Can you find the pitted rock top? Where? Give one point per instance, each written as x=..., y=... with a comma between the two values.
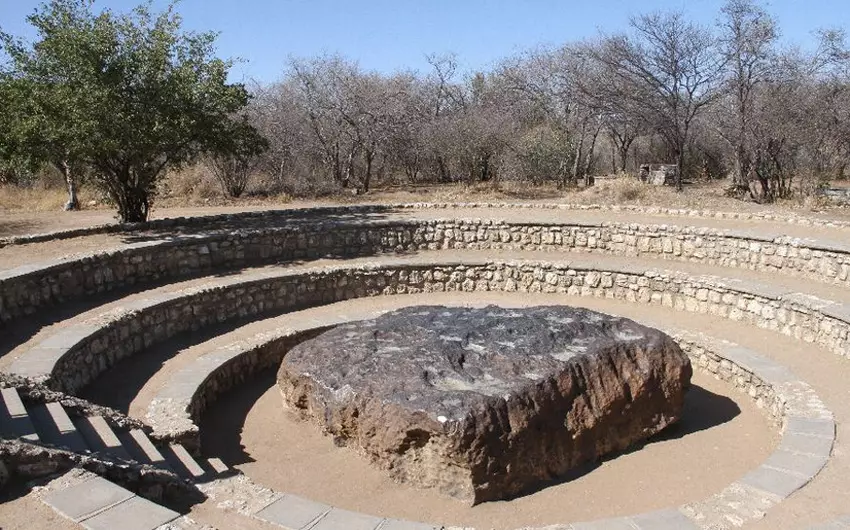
x=441, y=359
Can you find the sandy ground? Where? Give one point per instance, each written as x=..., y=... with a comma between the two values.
x=291, y=455
x=721, y=427
x=825, y=498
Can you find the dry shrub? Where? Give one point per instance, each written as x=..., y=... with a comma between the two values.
x=618, y=190
x=631, y=191
x=190, y=186
x=501, y=191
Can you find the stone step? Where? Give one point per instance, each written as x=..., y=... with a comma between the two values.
x=98, y=504
x=100, y=437
x=55, y=427
x=216, y=467
x=182, y=463
x=141, y=449
x=15, y=421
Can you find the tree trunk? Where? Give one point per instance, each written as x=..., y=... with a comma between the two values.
x=680, y=163
x=444, y=173
x=485, y=168
x=130, y=191
x=349, y=168
x=588, y=163
x=624, y=147
x=742, y=167
x=577, y=160
x=367, y=178
x=70, y=180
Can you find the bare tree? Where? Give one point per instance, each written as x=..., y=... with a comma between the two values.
x=667, y=72
x=747, y=34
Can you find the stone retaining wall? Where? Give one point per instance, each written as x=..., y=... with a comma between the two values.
x=25, y=290
x=209, y=221
x=98, y=348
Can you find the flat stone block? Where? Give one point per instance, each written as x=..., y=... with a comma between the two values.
x=337, y=519
x=805, y=465
x=664, y=520
x=813, y=427
x=606, y=524
x=133, y=514
x=292, y=512
x=473, y=401
x=832, y=525
x=774, y=481
x=87, y=498
x=801, y=443
x=837, y=311
x=406, y=525
x=37, y=362
x=68, y=337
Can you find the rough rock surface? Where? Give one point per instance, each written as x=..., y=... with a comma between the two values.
x=488, y=403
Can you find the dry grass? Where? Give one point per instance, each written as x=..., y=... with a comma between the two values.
x=40, y=199
x=194, y=187
x=479, y=192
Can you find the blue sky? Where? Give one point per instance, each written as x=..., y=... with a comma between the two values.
x=387, y=35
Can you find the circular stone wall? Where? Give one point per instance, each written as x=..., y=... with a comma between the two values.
x=488, y=403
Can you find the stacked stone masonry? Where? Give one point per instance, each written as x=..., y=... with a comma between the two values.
x=92, y=349
x=26, y=289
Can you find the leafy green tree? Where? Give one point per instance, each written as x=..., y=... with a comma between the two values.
x=129, y=95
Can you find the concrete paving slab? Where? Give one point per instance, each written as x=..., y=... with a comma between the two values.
x=811, y=445
x=99, y=436
x=838, y=524
x=14, y=419
x=809, y=426
x=135, y=513
x=182, y=462
x=664, y=520
x=37, y=362
x=292, y=512
x=56, y=428
x=392, y=524
x=837, y=311
x=775, y=481
x=804, y=465
x=69, y=337
x=622, y=523
x=337, y=519
x=87, y=498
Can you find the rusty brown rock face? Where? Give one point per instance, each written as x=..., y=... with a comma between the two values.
x=488, y=403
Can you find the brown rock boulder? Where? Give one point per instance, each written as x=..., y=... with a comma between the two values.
x=488, y=403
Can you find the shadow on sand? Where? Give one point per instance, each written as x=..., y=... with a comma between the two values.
x=221, y=425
